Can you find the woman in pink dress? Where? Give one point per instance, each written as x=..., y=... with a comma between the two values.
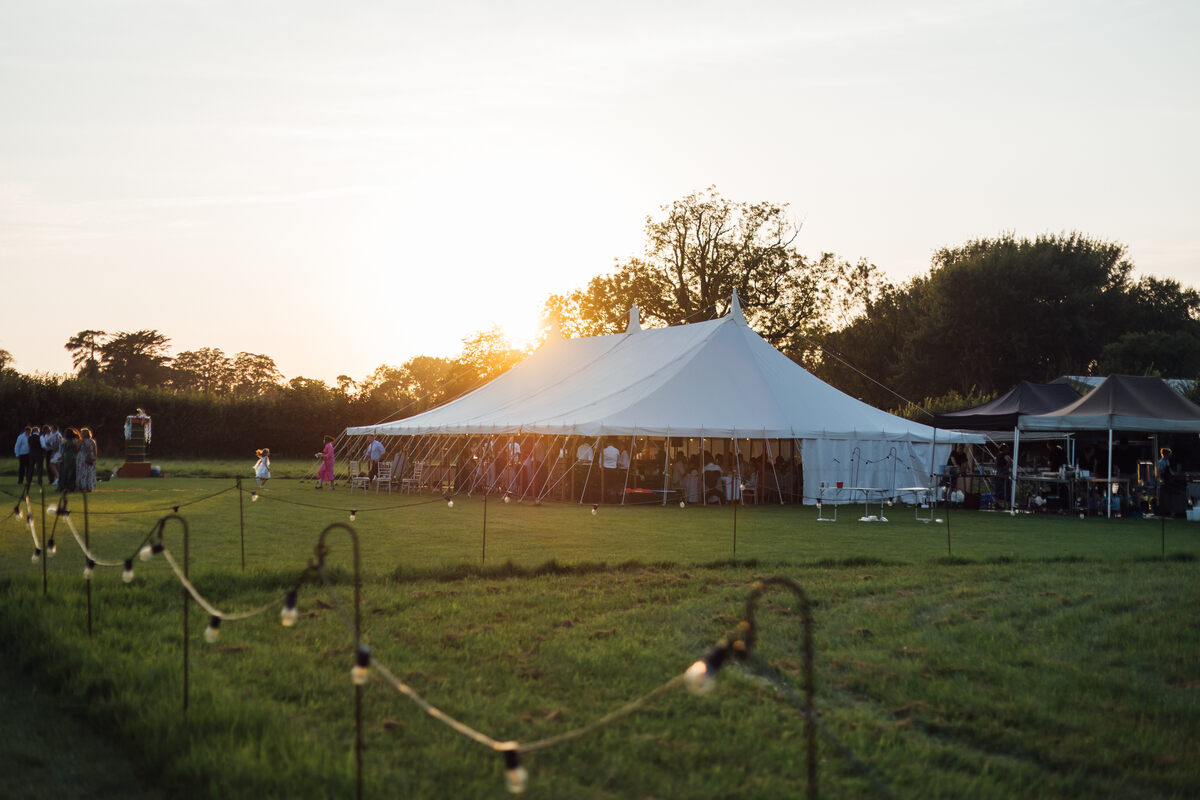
x=325, y=473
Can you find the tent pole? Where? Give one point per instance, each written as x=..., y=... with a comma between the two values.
x=1012, y=507
x=587, y=480
x=1108, y=483
x=628, y=465
x=666, y=470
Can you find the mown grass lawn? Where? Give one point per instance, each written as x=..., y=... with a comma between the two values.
x=1050, y=656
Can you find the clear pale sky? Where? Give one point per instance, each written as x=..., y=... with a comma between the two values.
x=341, y=185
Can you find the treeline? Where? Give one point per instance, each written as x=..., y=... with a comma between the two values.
x=206, y=405
x=186, y=424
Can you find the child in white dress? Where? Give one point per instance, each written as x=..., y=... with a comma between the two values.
x=262, y=468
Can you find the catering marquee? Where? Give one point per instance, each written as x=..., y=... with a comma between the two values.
x=1003, y=412
x=1123, y=403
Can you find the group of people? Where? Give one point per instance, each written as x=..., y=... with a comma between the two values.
x=66, y=457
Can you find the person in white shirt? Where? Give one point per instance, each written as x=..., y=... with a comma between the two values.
x=583, y=483
x=21, y=451
x=51, y=441
x=512, y=466
x=612, y=476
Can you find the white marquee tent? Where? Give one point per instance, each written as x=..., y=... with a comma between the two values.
x=717, y=380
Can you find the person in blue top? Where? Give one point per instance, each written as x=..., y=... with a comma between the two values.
x=374, y=453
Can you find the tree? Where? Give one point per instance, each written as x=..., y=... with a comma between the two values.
x=6, y=358
x=1170, y=355
x=84, y=348
x=206, y=370
x=703, y=248
x=419, y=384
x=996, y=311
x=137, y=358
x=254, y=375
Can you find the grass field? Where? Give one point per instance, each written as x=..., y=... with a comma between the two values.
x=1048, y=657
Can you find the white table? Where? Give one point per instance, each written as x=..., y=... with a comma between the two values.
x=924, y=499
x=867, y=491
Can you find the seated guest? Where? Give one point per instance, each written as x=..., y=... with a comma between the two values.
x=679, y=469
x=712, y=480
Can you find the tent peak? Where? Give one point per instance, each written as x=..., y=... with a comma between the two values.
x=735, y=309
x=634, y=325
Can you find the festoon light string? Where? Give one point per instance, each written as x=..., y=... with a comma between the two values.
x=700, y=677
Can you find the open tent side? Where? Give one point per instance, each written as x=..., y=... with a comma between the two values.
x=1122, y=403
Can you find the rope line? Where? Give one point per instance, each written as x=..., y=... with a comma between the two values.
x=203, y=603
x=346, y=510
x=86, y=551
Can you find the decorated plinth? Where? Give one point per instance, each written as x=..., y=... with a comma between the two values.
x=137, y=437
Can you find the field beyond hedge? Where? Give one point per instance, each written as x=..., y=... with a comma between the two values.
x=1047, y=657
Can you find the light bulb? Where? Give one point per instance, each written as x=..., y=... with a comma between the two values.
x=515, y=776
x=127, y=573
x=362, y=660
x=254, y=497
x=37, y=555
x=146, y=552
x=595, y=508
x=213, y=631
x=701, y=676
x=353, y=514
x=88, y=568
x=51, y=548
x=698, y=681
x=288, y=614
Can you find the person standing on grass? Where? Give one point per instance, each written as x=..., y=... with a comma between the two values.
x=85, y=462
x=325, y=473
x=374, y=453
x=262, y=468
x=51, y=439
x=35, y=456
x=21, y=451
x=68, y=452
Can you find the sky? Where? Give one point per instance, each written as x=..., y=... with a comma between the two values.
x=345, y=185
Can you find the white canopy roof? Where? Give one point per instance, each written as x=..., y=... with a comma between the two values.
x=714, y=379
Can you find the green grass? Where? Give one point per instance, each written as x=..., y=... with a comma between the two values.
x=1049, y=657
